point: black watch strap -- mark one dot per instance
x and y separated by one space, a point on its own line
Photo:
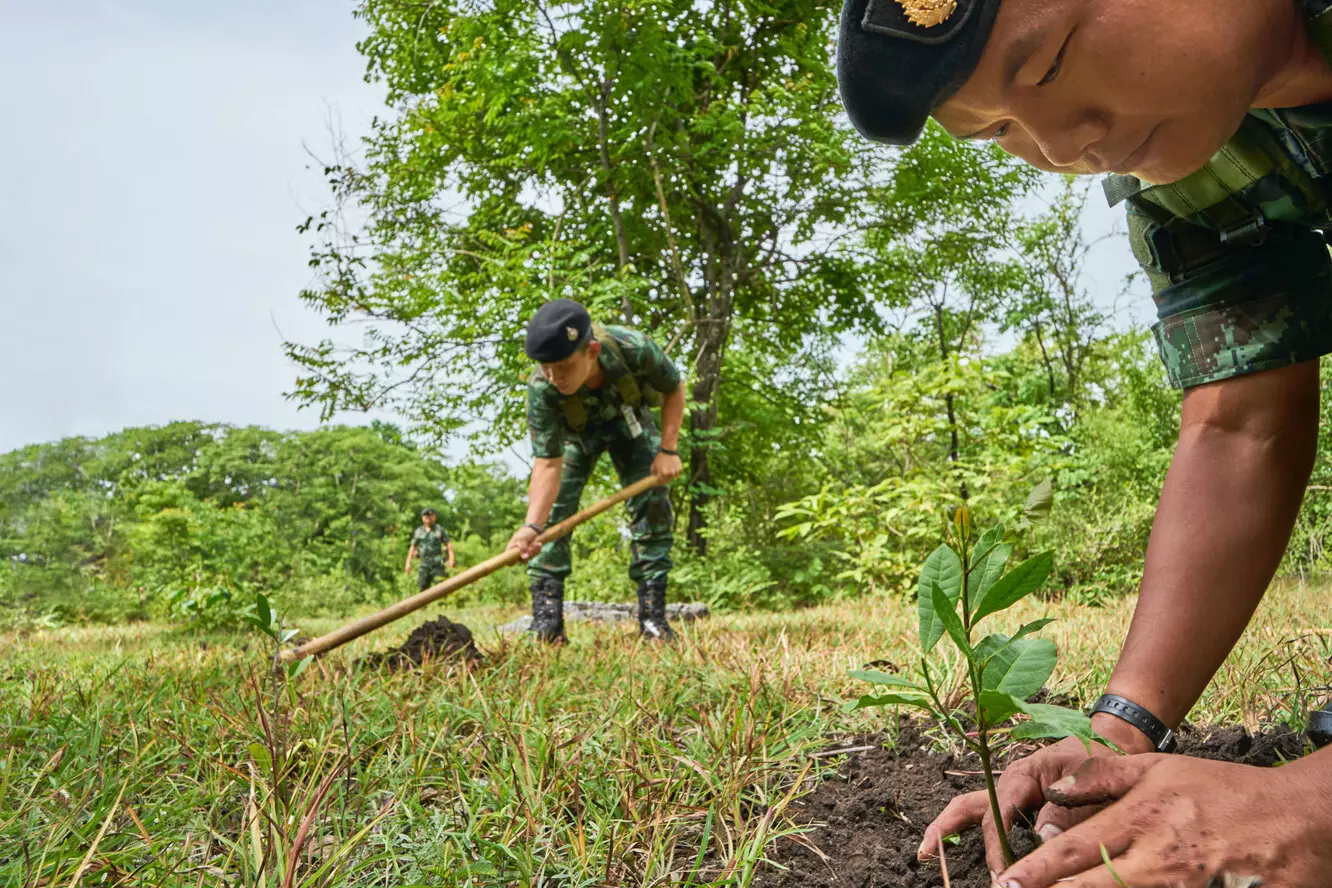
1125 709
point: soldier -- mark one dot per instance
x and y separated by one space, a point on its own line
428 541
1214 119
591 395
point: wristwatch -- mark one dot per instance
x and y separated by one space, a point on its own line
1124 709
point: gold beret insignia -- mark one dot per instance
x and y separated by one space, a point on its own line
928 13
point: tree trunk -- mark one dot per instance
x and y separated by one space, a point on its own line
713 323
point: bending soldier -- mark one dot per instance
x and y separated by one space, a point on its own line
593 394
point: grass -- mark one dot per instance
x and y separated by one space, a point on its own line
149 756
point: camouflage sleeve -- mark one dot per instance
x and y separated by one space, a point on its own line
648 363
1225 310
545 422
416 535
444 534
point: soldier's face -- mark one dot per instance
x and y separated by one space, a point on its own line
1145 87
570 374
428 520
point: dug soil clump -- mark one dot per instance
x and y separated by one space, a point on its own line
440 639
867 820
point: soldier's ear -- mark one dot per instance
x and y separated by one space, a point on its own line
594 347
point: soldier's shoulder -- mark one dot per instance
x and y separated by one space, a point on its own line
628 337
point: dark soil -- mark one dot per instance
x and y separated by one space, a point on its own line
439 639
867 820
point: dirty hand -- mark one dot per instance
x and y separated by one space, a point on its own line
1021 788
1179 821
524 540
667 467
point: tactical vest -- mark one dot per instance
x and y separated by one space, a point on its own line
631 392
1221 196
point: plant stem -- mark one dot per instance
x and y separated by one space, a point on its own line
983 748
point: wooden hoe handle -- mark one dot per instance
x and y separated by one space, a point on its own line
357 628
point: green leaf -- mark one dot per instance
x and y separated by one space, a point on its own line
988 646
944 569
873 676
987 572
988 540
1053 722
295 669
263 760
1039 502
1015 585
1020 668
997 707
1034 626
946 611
868 702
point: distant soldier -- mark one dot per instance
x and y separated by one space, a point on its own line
429 541
593 394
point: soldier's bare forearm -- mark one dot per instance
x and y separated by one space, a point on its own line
1246 448
542 489
672 416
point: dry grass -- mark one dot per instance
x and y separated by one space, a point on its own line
142 755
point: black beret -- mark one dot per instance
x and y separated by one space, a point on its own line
425 512
557 330
892 73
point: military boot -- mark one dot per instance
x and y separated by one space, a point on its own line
652 611
1319 730
548 610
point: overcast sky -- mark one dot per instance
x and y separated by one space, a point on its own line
153 175
154 170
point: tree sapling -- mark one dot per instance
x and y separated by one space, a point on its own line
960 585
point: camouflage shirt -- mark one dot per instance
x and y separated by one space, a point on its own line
546 420
429 543
1235 252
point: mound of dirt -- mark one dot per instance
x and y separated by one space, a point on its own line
868 818
436 640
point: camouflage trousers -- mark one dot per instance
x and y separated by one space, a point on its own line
428 572
650 517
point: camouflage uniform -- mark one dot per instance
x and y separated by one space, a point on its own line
607 430
429 543
1235 252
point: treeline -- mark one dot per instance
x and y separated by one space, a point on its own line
190 519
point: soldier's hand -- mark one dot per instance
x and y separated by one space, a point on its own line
667 467
524 540
452 564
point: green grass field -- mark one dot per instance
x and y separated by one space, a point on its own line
144 755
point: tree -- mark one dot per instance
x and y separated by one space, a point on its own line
674 164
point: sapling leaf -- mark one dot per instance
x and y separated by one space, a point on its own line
1039 502
263 612
1020 668
869 701
988 646
944 569
996 706
1053 722
295 669
986 572
873 676
988 540
1015 585
946 611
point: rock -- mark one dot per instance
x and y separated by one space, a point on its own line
611 612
